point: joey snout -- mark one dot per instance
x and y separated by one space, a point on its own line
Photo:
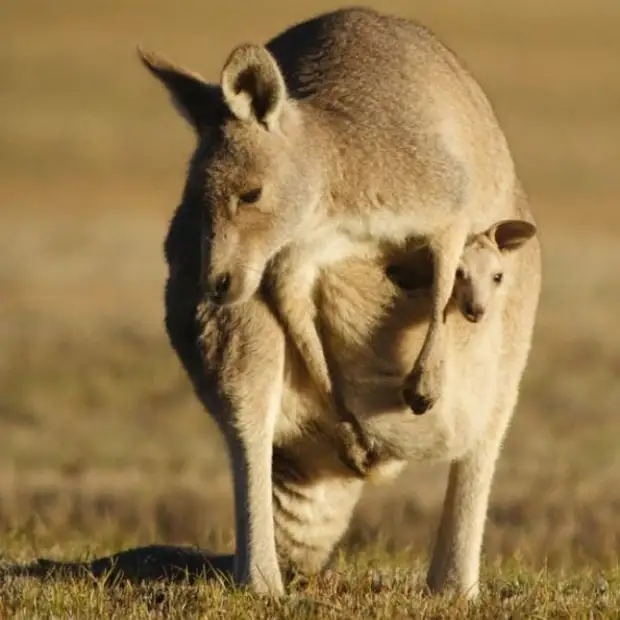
473 312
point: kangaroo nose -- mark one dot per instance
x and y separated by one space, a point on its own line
219 288
474 312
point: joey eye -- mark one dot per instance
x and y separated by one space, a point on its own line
251 196
460 274
498 277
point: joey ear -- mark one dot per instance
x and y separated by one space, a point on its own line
192 96
253 85
510 235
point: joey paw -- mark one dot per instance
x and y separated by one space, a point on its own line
417 394
418 403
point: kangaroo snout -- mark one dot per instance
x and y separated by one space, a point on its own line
232 285
218 287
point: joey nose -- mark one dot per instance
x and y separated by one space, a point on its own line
474 312
219 287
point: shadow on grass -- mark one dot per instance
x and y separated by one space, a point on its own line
139 565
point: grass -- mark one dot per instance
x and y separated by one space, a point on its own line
103 444
363 588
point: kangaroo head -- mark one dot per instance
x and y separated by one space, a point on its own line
252 176
481 269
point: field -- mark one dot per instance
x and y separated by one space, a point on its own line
102 444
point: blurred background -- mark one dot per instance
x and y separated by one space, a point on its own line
102 443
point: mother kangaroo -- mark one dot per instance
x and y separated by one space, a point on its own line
320 158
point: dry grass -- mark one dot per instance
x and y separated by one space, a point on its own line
361 587
103 445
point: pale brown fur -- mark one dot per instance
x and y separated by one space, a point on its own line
480 272
477 287
311 174
413 157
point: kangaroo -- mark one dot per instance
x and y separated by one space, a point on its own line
479 277
484 364
481 271
301 165
412 158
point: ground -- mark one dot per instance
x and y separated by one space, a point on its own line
103 443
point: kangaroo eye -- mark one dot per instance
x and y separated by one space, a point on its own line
251 196
498 277
460 274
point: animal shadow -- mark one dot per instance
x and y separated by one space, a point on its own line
139 565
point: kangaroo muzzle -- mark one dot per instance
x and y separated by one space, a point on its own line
217 287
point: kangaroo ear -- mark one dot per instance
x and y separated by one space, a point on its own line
253 85
192 96
510 235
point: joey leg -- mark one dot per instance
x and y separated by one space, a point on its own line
423 385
